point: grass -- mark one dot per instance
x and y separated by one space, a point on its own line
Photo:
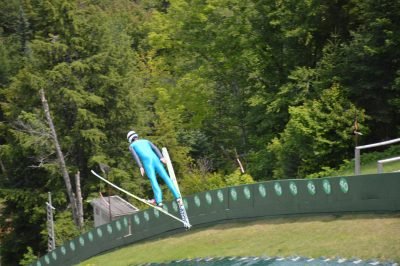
364 236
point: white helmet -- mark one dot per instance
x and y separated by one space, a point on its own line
131 135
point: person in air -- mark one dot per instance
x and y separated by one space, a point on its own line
150 161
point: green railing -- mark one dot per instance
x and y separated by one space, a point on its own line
362 193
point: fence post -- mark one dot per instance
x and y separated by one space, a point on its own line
381 162
51 242
380 167
357 161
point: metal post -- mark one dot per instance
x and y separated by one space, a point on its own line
51 244
357 161
380 167
109 204
381 162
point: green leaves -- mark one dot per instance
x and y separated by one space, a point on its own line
93 135
318 134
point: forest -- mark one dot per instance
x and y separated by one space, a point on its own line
286 88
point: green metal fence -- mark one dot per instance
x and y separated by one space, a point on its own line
362 193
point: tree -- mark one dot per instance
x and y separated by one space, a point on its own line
82 56
318 134
210 53
368 66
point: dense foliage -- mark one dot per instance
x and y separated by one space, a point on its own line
279 85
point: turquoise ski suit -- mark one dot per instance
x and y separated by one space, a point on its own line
145 151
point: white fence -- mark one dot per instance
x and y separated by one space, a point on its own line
381 162
357 156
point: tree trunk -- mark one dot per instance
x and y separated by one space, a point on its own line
79 204
61 160
3 169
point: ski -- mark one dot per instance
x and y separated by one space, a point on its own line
182 212
142 200
181 206
171 171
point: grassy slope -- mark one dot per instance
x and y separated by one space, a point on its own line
363 236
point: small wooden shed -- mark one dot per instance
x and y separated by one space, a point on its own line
107 209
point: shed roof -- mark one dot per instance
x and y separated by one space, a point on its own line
119 206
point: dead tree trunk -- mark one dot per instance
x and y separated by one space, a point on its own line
79 204
61 160
3 169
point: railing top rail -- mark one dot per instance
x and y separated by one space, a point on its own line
378 144
389 160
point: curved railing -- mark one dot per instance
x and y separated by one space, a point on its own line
362 193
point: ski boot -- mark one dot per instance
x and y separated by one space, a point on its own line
154 203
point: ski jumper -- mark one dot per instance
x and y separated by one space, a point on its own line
145 151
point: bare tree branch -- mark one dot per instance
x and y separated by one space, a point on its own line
205 165
27 128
